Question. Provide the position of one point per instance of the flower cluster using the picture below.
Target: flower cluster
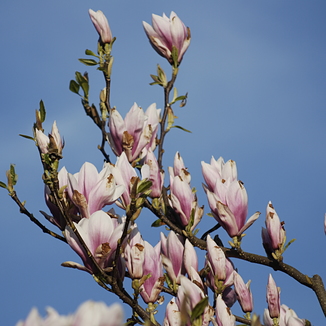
(227, 197)
(111, 247)
(135, 134)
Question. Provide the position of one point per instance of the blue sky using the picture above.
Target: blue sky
(255, 76)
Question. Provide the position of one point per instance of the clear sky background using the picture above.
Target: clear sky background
(255, 74)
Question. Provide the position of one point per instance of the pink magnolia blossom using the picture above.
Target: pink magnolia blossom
(57, 219)
(152, 266)
(274, 234)
(89, 313)
(126, 176)
(54, 140)
(287, 318)
(101, 25)
(227, 197)
(100, 233)
(135, 134)
(172, 255)
(218, 170)
(179, 169)
(134, 254)
(220, 274)
(189, 295)
(183, 200)
(152, 172)
(33, 319)
(166, 34)
(98, 314)
(223, 315)
(243, 292)
(273, 298)
(90, 191)
(172, 314)
(190, 261)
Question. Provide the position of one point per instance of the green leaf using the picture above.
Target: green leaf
(89, 52)
(143, 186)
(199, 309)
(88, 62)
(180, 98)
(79, 77)
(74, 87)
(3, 185)
(175, 94)
(85, 86)
(287, 246)
(13, 175)
(157, 223)
(25, 136)
(179, 127)
(42, 111)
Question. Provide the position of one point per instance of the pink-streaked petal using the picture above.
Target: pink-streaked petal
(250, 221)
(161, 25)
(100, 229)
(117, 128)
(72, 264)
(237, 201)
(190, 259)
(106, 192)
(87, 179)
(227, 219)
(224, 316)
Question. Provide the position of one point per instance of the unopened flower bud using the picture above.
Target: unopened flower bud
(101, 24)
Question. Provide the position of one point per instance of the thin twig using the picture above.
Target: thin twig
(24, 211)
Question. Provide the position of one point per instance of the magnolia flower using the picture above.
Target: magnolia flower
(190, 261)
(287, 318)
(227, 197)
(221, 269)
(33, 319)
(98, 314)
(102, 25)
(152, 266)
(126, 176)
(179, 169)
(172, 314)
(135, 134)
(223, 314)
(101, 234)
(49, 144)
(183, 200)
(274, 234)
(189, 295)
(134, 254)
(168, 35)
(243, 292)
(57, 219)
(172, 255)
(89, 313)
(90, 191)
(273, 298)
(152, 172)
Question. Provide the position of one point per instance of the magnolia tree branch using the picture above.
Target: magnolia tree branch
(163, 131)
(315, 282)
(24, 211)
